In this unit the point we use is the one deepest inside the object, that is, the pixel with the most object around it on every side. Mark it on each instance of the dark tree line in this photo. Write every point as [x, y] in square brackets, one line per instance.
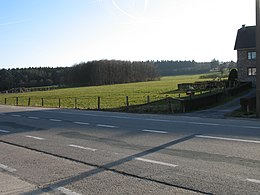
[171, 68]
[102, 72]
[30, 77]
[106, 72]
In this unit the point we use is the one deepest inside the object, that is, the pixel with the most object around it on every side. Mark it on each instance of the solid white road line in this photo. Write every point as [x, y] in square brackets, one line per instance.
[156, 120]
[154, 131]
[33, 137]
[106, 126]
[156, 162]
[251, 127]
[7, 168]
[81, 147]
[228, 139]
[55, 120]
[253, 180]
[208, 124]
[4, 131]
[81, 123]
[33, 117]
[66, 191]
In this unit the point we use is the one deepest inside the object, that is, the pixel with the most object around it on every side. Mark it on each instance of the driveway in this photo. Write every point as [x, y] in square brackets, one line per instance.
[222, 110]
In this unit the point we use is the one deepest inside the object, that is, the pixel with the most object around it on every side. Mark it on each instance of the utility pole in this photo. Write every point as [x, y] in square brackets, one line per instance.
[258, 58]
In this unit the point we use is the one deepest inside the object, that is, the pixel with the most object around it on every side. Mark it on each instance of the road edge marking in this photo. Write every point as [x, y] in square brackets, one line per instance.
[228, 139]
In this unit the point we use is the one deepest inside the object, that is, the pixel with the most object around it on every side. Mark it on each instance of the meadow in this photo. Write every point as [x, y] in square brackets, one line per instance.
[111, 96]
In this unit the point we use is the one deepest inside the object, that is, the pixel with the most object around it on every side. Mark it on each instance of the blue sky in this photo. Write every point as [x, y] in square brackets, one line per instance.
[55, 33]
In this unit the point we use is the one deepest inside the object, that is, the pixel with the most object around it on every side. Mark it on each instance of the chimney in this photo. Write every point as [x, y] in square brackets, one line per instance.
[243, 27]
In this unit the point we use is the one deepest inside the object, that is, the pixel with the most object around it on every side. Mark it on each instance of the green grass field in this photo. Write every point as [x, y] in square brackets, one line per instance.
[112, 96]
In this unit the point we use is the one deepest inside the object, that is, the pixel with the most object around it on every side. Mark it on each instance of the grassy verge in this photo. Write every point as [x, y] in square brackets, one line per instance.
[239, 113]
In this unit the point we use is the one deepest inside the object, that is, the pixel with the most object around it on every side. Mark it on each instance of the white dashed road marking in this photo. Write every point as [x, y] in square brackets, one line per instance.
[66, 191]
[4, 131]
[33, 117]
[55, 120]
[228, 139]
[16, 115]
[81, 123]
[7, 168]
[81, 147]
[253, 180]
[154, 131]
[106, 126]
[156, 162]
[33, 137]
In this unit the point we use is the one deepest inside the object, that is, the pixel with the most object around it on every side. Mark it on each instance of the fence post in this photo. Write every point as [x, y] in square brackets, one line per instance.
[5, 101]
[148, 99]
[17, 101]
[29, 101]
[127, 103]
[98, 103]
[59, 102]
[75, 103]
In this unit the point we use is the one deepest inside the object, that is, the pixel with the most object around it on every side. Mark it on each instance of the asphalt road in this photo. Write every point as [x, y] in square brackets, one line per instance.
[91, 152]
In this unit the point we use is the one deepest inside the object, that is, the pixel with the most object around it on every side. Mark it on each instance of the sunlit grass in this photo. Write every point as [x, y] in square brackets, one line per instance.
[112, 96]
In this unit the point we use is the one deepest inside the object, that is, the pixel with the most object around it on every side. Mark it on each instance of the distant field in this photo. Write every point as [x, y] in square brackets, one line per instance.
[112, 96]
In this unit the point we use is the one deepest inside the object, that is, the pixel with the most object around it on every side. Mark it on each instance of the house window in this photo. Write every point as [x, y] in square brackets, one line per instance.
[251, 55]
[251, 71]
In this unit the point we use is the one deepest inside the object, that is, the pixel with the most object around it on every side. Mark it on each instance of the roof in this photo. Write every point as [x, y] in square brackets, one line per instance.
[246, 37]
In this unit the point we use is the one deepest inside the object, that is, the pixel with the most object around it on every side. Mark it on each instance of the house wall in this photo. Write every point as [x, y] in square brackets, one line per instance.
[243, 64]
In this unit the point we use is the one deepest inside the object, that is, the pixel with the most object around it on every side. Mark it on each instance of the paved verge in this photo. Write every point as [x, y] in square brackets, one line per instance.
[11, 185]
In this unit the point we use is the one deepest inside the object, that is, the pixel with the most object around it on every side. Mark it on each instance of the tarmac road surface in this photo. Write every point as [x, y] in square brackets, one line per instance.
[59, 151]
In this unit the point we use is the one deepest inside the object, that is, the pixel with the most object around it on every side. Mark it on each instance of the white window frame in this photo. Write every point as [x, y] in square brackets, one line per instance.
[251, 71]
[251, 55]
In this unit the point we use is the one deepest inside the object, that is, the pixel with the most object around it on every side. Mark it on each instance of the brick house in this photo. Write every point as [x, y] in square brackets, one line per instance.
[246, 53]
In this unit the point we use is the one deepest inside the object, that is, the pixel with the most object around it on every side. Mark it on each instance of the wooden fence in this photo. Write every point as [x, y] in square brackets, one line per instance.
[77, 102]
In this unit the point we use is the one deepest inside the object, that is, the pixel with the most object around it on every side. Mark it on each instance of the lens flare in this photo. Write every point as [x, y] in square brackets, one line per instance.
[146, 2]
[123, 11]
